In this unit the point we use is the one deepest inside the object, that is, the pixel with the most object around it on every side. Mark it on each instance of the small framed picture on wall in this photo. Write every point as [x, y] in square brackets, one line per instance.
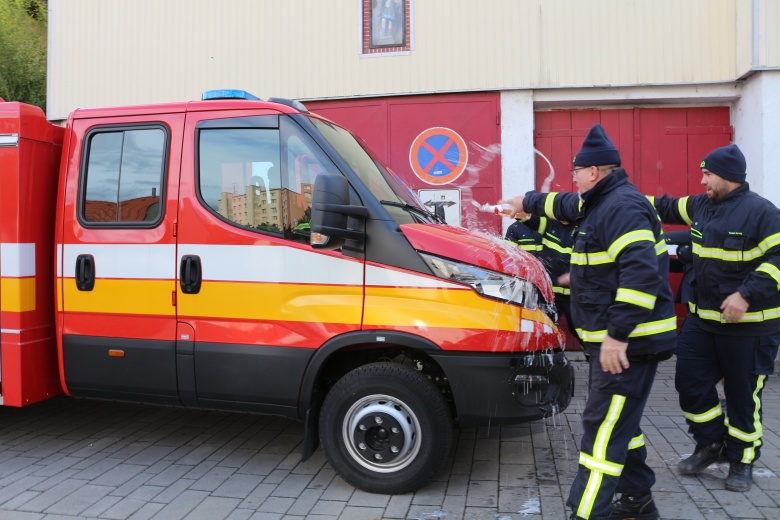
[388, 23]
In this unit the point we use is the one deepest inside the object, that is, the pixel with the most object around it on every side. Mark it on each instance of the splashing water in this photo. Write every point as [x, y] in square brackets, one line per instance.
[431, 516]
[532, 506]
[548, 180]
[484, 156]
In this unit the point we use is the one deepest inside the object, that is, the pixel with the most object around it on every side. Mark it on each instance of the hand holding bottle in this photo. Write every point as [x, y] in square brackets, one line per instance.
[518, 210]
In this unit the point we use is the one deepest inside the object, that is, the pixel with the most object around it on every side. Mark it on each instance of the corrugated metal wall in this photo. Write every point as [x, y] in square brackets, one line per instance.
[769, 40]
[143, 51]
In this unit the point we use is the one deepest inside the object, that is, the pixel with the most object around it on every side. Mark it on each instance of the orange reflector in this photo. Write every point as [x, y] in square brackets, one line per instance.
[116, 353]
[318, 239]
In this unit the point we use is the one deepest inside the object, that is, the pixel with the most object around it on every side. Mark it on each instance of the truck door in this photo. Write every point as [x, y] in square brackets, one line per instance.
[117, 258]
[254, 299]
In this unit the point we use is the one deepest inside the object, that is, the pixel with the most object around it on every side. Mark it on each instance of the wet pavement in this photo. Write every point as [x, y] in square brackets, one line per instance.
[71, 459]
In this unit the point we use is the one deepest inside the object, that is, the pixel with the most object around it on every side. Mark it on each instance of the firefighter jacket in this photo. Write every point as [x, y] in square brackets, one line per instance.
[619, 265]
[524, 237]
[554, 250]
[736, 247]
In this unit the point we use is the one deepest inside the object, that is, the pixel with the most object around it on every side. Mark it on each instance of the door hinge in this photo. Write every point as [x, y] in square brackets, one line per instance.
[173, 298]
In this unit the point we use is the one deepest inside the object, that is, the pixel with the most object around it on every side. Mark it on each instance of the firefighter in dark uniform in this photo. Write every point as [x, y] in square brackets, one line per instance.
[733, 323]
[550, 241]
[623, 311]
[524, 237]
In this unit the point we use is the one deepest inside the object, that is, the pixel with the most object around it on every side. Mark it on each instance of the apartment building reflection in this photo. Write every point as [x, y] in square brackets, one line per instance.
[273, 209]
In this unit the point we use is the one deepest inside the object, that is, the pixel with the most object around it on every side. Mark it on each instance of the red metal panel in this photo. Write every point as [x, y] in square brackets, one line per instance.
[661, 148]
[559, 135]
[365, 118]
[390, 125]
[28, 173]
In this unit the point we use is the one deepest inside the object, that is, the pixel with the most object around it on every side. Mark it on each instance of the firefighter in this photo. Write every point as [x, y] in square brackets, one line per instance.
[550, 241]
[623, 310]
[524, 237]
[733, 325]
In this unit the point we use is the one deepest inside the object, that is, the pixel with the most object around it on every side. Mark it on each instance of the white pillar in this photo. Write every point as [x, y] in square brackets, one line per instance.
[756, 120]
[517, 144]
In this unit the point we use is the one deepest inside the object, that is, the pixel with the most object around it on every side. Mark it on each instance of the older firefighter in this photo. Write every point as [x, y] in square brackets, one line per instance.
[623, 311]
[734, 322]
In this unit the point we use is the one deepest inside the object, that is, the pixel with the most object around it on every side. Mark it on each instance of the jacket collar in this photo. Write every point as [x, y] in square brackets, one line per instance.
[733, 194]
[618, 177]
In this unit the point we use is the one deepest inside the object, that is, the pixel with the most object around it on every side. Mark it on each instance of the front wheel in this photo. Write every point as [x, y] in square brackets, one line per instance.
[386, 428]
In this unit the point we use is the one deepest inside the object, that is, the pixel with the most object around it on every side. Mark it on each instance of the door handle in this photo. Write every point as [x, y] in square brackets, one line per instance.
[190, 274]
[85, 272]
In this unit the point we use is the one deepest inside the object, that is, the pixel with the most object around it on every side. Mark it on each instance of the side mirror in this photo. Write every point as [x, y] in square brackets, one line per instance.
[330, 212]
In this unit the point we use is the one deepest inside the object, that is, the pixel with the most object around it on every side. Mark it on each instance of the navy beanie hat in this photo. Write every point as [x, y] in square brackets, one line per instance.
[597, 149]
[727, 162]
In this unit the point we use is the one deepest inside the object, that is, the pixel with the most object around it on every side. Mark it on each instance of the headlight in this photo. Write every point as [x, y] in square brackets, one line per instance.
[487, 283]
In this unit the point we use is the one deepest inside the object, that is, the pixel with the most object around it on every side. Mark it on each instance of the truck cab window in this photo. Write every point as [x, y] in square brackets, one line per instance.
[261, 178]
[123, 176]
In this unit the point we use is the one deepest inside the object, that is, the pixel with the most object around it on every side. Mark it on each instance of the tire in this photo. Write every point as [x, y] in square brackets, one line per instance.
[386, 429]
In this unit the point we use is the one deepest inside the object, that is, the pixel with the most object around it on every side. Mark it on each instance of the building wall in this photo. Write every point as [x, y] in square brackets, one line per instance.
[755, 115]
[147, 51]
[756, 119]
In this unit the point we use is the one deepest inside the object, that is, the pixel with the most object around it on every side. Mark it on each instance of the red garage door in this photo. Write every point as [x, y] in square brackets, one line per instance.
[661, 148]
[394, 129]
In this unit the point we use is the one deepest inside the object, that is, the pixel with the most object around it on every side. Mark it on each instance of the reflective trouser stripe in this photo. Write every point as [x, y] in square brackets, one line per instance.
[599, 456]
[637, 442]
[749, 453]
[705, 416]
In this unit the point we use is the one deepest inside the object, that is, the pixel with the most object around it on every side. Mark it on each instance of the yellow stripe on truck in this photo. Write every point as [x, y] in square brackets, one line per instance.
[279, 302]
[149, 297]
[388, 306]
[17, 294]
[455, 308]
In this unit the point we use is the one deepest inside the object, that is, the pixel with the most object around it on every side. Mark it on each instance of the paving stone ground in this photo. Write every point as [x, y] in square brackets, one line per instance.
[68, 459]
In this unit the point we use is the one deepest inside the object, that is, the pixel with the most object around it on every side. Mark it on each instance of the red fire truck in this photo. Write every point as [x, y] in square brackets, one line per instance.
[238, 254]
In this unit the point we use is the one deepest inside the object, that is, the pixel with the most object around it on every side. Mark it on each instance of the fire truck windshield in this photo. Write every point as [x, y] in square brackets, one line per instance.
[381, 180]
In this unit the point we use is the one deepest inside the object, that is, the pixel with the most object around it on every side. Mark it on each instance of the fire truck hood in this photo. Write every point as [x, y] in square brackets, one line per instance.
[480, 249]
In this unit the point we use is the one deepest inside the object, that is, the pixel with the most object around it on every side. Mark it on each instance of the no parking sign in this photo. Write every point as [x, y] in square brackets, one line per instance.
[438, 155]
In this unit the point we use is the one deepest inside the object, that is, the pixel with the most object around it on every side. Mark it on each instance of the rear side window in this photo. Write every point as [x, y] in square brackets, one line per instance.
[258, 173]
[122, 177]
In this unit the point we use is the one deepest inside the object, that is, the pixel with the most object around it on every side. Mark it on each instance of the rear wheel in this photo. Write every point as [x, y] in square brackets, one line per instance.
[386, 428]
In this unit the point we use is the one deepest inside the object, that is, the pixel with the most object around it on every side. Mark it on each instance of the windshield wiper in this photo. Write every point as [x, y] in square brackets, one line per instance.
[409, 207]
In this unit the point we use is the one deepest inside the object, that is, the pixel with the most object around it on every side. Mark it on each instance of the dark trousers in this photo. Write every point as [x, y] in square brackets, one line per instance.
[743, 362]
[613, 452]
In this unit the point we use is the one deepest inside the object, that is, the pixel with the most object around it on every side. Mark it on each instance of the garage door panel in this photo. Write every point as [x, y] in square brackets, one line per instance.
[703, 116]
[584, 119]
[660, 148]
[368, 120]
[672, 171]
[663, 155]
[391, 125]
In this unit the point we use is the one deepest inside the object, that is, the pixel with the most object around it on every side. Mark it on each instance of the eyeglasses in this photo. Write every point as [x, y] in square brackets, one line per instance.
[575, 170]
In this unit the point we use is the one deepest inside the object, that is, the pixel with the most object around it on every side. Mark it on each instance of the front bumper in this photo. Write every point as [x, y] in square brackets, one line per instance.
[502, 389]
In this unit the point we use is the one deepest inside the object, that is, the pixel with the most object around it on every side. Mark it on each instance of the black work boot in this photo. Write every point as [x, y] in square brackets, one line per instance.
[701, 459]
[740, 476]
[634, 507]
